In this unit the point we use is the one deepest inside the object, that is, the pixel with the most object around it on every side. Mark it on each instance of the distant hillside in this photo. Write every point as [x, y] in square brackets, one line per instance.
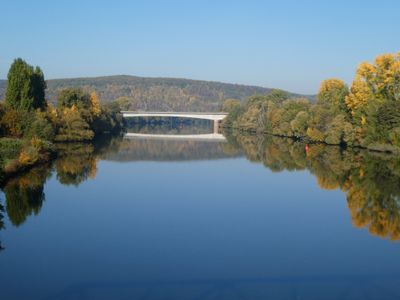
[155, 93]
[2, 88]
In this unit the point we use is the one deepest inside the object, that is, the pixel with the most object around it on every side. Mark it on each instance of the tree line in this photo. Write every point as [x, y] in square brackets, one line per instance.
[29, 125]
[365, 115]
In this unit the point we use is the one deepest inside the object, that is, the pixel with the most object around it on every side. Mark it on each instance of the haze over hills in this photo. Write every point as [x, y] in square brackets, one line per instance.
[165, 94]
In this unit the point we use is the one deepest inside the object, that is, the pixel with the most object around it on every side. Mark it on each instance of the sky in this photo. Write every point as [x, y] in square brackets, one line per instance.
[287, 44]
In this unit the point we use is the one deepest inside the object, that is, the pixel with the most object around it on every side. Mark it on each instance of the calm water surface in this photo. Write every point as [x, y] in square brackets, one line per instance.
[250, 218]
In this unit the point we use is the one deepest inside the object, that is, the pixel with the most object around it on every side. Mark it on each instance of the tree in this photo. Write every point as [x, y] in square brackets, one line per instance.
[69, 97]
[73, 127]
[95, 108]
[230, 105]
[375, 84]
[299, 123]
[332, 93]
[26, 86]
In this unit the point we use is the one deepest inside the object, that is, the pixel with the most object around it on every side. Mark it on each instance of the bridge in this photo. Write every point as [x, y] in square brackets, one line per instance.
[216, 117]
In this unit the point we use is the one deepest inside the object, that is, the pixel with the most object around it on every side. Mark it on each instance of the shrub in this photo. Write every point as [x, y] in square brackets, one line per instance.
[15, 122]
[73, 127]
[41, 128]
[9, 148]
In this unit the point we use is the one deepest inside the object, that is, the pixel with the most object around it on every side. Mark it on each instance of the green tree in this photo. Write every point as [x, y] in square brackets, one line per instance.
[26, 86]
[230, 105]
[69, 97]
[300, 123]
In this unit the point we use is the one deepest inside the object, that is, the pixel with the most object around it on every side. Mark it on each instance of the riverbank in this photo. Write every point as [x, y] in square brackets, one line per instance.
[31, 128]
[387, 149]
[19, 156]
[365, 115]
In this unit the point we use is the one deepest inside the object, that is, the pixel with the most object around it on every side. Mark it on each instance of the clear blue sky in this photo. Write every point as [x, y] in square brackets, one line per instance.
[289, 44]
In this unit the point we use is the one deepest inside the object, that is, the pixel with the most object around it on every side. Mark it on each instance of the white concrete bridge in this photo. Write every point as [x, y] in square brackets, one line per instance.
[216, 117]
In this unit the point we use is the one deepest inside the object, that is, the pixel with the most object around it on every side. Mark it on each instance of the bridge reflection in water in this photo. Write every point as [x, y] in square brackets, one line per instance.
[210, 137]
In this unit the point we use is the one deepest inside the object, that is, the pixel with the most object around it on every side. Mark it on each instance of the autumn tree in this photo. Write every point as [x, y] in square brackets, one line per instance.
[375, 84]
[332, 93]
[95, 107]
[73, 127]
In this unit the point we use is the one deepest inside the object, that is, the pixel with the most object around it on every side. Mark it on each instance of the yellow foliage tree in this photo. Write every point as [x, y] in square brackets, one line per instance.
[333, 92]
[375, 83]
[95, 104]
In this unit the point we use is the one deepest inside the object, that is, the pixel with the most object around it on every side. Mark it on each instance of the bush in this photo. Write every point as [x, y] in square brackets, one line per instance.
[10, 148]
[16, 122]
[28, 156]
[73, 127]
[41, 128]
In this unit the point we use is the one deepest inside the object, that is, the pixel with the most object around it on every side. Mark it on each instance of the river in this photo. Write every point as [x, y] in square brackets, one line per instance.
[252, 217]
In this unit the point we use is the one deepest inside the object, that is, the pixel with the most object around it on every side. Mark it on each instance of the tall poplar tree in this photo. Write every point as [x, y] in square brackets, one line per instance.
[26, 86]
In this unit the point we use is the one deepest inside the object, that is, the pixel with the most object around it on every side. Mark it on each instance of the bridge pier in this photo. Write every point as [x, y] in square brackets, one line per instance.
[216, 126]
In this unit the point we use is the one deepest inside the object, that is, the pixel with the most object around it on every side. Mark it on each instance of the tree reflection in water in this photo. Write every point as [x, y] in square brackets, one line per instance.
[76, 163]
[24, 194]
[1, 222]
[371, 181]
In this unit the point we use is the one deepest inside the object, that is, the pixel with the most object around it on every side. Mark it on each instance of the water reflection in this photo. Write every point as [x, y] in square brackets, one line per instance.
[76, 163]
[371, 181]
[25, 194]
[2, 226]
[340, 286]
[171, 150]
[175, 126]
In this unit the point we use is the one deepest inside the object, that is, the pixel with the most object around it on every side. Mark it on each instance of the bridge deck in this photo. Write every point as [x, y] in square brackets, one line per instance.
[214, 116]
[173, 113]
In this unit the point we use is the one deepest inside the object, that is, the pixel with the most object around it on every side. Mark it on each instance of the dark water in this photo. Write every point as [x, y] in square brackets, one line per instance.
[250, 218]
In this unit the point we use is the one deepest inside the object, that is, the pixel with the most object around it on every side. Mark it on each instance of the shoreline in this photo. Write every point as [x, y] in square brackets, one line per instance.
[308, 141]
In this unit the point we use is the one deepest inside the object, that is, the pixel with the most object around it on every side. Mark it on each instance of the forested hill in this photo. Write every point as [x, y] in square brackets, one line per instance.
[2, 88]
[155, 93]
